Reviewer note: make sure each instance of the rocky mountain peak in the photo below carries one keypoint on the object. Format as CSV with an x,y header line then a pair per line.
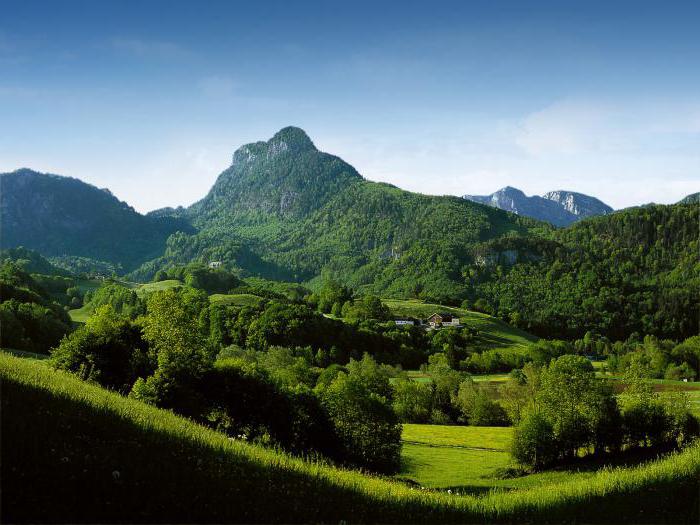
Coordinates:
x,y
290,139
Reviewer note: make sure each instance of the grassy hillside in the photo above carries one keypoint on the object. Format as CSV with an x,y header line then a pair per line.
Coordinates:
x,y
75,452
494,333
240,299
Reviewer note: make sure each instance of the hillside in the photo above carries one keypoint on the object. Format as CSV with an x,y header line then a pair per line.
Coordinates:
x,y
632,271
89,455
560,208
60,216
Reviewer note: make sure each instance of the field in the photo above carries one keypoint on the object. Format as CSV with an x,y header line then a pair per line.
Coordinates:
x,y
144,289
240,299
75,452
442,456
494,333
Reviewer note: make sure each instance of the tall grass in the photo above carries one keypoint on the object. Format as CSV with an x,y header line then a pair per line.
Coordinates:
x,y
74,452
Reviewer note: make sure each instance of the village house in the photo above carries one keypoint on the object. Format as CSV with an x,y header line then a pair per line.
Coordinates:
x,y
441,319
215,264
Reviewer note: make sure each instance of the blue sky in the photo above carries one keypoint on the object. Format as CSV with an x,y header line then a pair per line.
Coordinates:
x,y
151,98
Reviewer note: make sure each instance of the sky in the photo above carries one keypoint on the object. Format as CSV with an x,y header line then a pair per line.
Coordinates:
x,y
150,99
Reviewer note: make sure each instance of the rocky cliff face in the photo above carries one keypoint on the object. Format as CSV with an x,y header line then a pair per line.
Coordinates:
x,y
578,204
560,208
285,177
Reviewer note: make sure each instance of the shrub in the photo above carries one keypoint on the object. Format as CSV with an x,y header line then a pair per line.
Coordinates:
x,y
534,444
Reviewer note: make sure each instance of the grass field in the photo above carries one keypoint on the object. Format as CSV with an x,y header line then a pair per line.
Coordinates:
x,y
441,456
144,289
75,452
240,299
494,333
80,315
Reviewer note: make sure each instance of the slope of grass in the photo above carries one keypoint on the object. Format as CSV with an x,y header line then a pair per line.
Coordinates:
x,y
240,299
80,315
494,333
73,452
147,288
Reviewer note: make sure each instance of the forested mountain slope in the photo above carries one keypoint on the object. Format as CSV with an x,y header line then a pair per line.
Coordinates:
x,y
636,270
286,210
64,216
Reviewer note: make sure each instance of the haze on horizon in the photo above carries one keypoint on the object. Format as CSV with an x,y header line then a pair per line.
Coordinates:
x,y
150,99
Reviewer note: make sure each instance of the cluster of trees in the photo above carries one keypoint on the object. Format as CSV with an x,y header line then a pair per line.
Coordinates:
x,y
449,397
276,396
661,359
30,318
199,275
562,411
338,300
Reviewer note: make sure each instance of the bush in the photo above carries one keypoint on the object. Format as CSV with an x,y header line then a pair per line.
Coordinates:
x,y
476,406
413,401
368,430
534,444
108,350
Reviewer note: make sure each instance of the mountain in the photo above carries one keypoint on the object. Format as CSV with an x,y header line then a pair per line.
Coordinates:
x,y
560,208
60,216
693,198
633,271
284,209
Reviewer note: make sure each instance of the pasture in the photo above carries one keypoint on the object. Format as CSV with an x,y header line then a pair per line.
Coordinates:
x,y
240,299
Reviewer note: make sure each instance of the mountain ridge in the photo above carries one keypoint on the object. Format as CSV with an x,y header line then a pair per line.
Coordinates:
x,y
57,215
559,207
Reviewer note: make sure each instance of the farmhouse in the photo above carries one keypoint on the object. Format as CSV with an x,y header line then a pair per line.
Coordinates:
x,y
442,319
215,264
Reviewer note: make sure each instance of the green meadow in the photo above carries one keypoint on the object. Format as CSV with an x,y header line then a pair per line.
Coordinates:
x,y
240,299
88,454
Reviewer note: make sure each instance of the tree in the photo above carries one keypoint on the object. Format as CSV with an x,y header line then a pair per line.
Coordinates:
x,y
174,333
476,406
534,444
365,423
413,401
373,376
108,349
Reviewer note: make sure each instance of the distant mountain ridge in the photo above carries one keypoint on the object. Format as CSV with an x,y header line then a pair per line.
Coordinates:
x,y
60,216
560,207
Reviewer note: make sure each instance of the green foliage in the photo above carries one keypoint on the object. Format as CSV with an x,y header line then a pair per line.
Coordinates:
x,y
123,300
534,442
477,407
175,336
631,271
120,447
30,320
108,349
413,401
365,423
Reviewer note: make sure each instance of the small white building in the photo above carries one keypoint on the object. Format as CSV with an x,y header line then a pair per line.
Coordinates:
x,y
404,321
215,264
